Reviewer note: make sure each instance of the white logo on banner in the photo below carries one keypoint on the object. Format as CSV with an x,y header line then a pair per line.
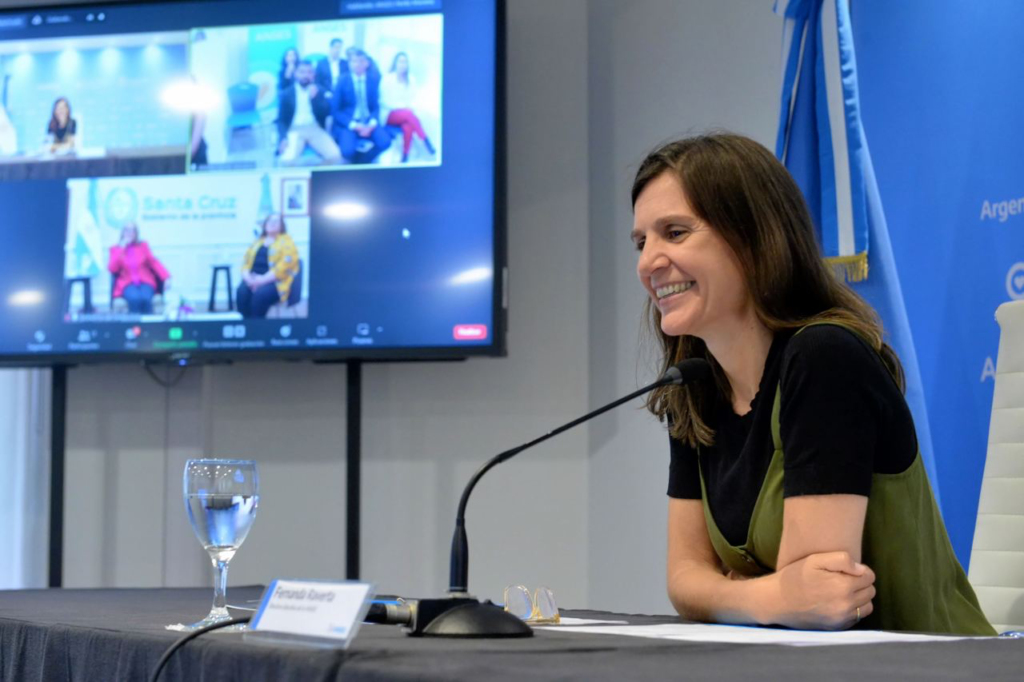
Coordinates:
x,y
1001,210
1015,281
988,371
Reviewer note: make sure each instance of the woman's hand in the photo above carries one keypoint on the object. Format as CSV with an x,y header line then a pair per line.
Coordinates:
x,y
823,592
254,282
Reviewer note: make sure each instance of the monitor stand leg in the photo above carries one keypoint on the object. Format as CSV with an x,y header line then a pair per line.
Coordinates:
x,y
353,455
58,413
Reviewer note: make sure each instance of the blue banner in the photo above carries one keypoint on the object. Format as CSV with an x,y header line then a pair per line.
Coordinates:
x,y
822,142
943,112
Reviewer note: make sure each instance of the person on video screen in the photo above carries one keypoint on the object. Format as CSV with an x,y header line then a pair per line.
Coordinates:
x,y
138,275
397,94
62,128
331,68
197,143
268,269
372,70
289,62
302,114
355,109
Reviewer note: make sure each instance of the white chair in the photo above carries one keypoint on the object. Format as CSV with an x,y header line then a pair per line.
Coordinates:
x,y
997,558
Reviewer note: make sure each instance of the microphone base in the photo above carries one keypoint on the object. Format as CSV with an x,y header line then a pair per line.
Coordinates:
x,y
465,618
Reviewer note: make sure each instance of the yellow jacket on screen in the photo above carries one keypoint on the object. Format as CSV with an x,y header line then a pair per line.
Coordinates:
x,y
283,258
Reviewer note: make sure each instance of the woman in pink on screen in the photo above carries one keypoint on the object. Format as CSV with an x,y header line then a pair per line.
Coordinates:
x,y
397,94
138,275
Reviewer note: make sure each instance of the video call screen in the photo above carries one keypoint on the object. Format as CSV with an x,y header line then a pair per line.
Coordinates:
x,y
243,178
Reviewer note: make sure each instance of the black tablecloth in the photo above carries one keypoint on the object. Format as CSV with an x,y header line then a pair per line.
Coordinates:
x,y
98,167
119,635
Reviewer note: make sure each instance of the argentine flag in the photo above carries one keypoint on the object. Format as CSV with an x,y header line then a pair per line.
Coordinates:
x,y
821,141
85,256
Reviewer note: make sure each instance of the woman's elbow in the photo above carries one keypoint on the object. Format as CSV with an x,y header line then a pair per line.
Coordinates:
x,y
679,604
682,601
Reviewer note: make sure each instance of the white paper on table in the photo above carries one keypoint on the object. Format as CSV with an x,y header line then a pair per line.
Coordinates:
x,y
735,634
572,622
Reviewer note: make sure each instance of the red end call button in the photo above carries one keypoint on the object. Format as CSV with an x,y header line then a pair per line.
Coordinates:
x,y
470,332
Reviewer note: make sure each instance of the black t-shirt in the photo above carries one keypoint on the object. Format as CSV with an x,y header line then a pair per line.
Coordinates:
x,y
59,134
261,263
842,419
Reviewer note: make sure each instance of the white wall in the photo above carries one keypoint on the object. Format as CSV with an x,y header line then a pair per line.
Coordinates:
x,y
24,477
659,69
592,86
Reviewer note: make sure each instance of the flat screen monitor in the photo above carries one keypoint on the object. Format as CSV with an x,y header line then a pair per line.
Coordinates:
x,y
230,179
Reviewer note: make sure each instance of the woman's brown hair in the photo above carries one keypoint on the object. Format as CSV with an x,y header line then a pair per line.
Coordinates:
x,y
740,189
54,125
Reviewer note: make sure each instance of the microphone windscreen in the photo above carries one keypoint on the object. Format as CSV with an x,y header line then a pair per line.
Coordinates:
x,y
691,369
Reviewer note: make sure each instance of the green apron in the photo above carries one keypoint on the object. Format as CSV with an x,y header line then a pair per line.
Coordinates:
x,y
919,583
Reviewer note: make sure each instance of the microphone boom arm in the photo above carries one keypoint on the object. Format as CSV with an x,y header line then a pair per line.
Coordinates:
x,y
459,575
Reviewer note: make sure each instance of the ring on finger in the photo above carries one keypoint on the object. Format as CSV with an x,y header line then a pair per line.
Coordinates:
x,y
858,614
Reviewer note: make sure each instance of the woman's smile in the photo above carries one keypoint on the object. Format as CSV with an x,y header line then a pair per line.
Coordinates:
x,y
667,293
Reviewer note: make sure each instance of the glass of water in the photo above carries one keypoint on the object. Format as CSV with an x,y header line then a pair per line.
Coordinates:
x,y
221,496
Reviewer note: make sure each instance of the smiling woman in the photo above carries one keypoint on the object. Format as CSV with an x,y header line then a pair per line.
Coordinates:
x,y
797,494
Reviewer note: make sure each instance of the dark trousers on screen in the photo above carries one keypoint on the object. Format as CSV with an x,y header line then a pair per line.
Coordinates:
x,y
351,144
256,303
139,298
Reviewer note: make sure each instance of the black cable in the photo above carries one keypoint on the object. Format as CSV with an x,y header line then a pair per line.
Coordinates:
x,y
166,383
189,637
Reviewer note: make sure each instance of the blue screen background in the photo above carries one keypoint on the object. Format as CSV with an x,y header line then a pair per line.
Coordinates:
x,y
942,114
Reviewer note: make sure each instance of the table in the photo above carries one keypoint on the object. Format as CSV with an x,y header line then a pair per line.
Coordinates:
x,y
149,161
51,635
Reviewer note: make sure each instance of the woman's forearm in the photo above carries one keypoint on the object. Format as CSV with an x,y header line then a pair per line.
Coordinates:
x,y
827,591
699,592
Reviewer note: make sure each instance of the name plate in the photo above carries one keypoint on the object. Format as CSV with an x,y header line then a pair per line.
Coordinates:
x,y
311,612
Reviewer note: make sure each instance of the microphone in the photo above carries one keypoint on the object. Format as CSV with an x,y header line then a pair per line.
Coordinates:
x,y
463,616
389,613
692,369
